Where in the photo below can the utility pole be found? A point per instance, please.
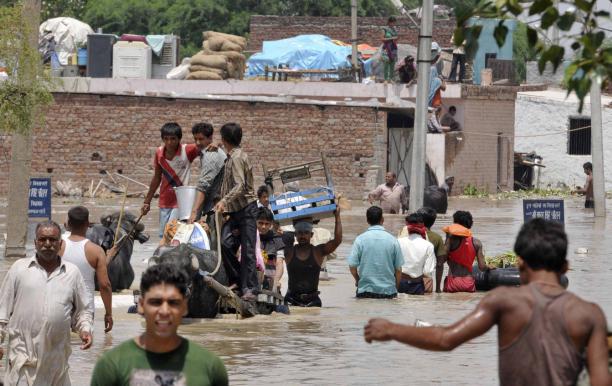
(21, 150)
(354, 60)
(599, 178)
(419, 143)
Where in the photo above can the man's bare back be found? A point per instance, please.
(544, 331)
(514, 306)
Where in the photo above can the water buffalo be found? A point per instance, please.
(120, 270)
(203, 301)
(434, 196)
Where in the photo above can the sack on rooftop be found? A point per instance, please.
(199, 67)
(231, 55)
(231, 46)
(214, 61)
(203, 75)
(233, 38)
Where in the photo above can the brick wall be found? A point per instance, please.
(124, 132)
(474, 158)
(369, 29)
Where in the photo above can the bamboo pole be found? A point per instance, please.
(120, 215)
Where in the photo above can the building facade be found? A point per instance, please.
(550, 124)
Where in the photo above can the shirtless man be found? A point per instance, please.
(304, 262)
(543, 330)
(462, 249)
(90, 259)
(588, 186)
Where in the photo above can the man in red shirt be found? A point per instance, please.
(172, 163)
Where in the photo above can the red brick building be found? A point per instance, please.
(264, 28)
(111, 125)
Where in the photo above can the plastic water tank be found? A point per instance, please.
(131, 60)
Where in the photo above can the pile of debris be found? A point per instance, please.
(221, 58)
(111, 185)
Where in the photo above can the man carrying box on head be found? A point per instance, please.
(304, 262)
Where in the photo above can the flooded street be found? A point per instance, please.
(326, 346)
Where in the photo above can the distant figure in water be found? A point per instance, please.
(544, 331)
(587, 191)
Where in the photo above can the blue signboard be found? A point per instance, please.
(39, 203)
(547, 209)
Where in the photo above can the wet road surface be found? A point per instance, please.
(326, 346)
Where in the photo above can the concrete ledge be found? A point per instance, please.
(324, 93)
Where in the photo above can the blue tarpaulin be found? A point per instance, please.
(304, 52)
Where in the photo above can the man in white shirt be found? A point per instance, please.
(39, 298)
(419, 256)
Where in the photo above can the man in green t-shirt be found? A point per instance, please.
(429, 217)
(160, 356)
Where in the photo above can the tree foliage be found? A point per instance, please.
(522, 51)
(26, 91)
(592, 59)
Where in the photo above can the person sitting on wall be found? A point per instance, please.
(448, 119)
(433, 123)
(304, 262)
(407, 71)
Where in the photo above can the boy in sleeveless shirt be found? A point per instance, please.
(544, 331)
(90, 259)
(304, 262)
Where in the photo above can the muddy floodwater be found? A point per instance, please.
(325, 346)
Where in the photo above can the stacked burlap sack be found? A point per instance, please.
(221, 58)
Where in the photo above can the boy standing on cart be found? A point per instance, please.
(239, 202)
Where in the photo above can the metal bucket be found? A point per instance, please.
(185, 197)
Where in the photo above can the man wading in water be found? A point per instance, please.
(588, 186)
(462, 249)
(304, 264)
(544, 331)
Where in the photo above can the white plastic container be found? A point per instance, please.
(131, 60)
(185, 198)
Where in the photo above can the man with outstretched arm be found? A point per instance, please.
(304, 262)
(544, 331)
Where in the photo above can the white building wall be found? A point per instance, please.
(541, 124)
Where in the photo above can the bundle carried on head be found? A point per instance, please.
(221, 57)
